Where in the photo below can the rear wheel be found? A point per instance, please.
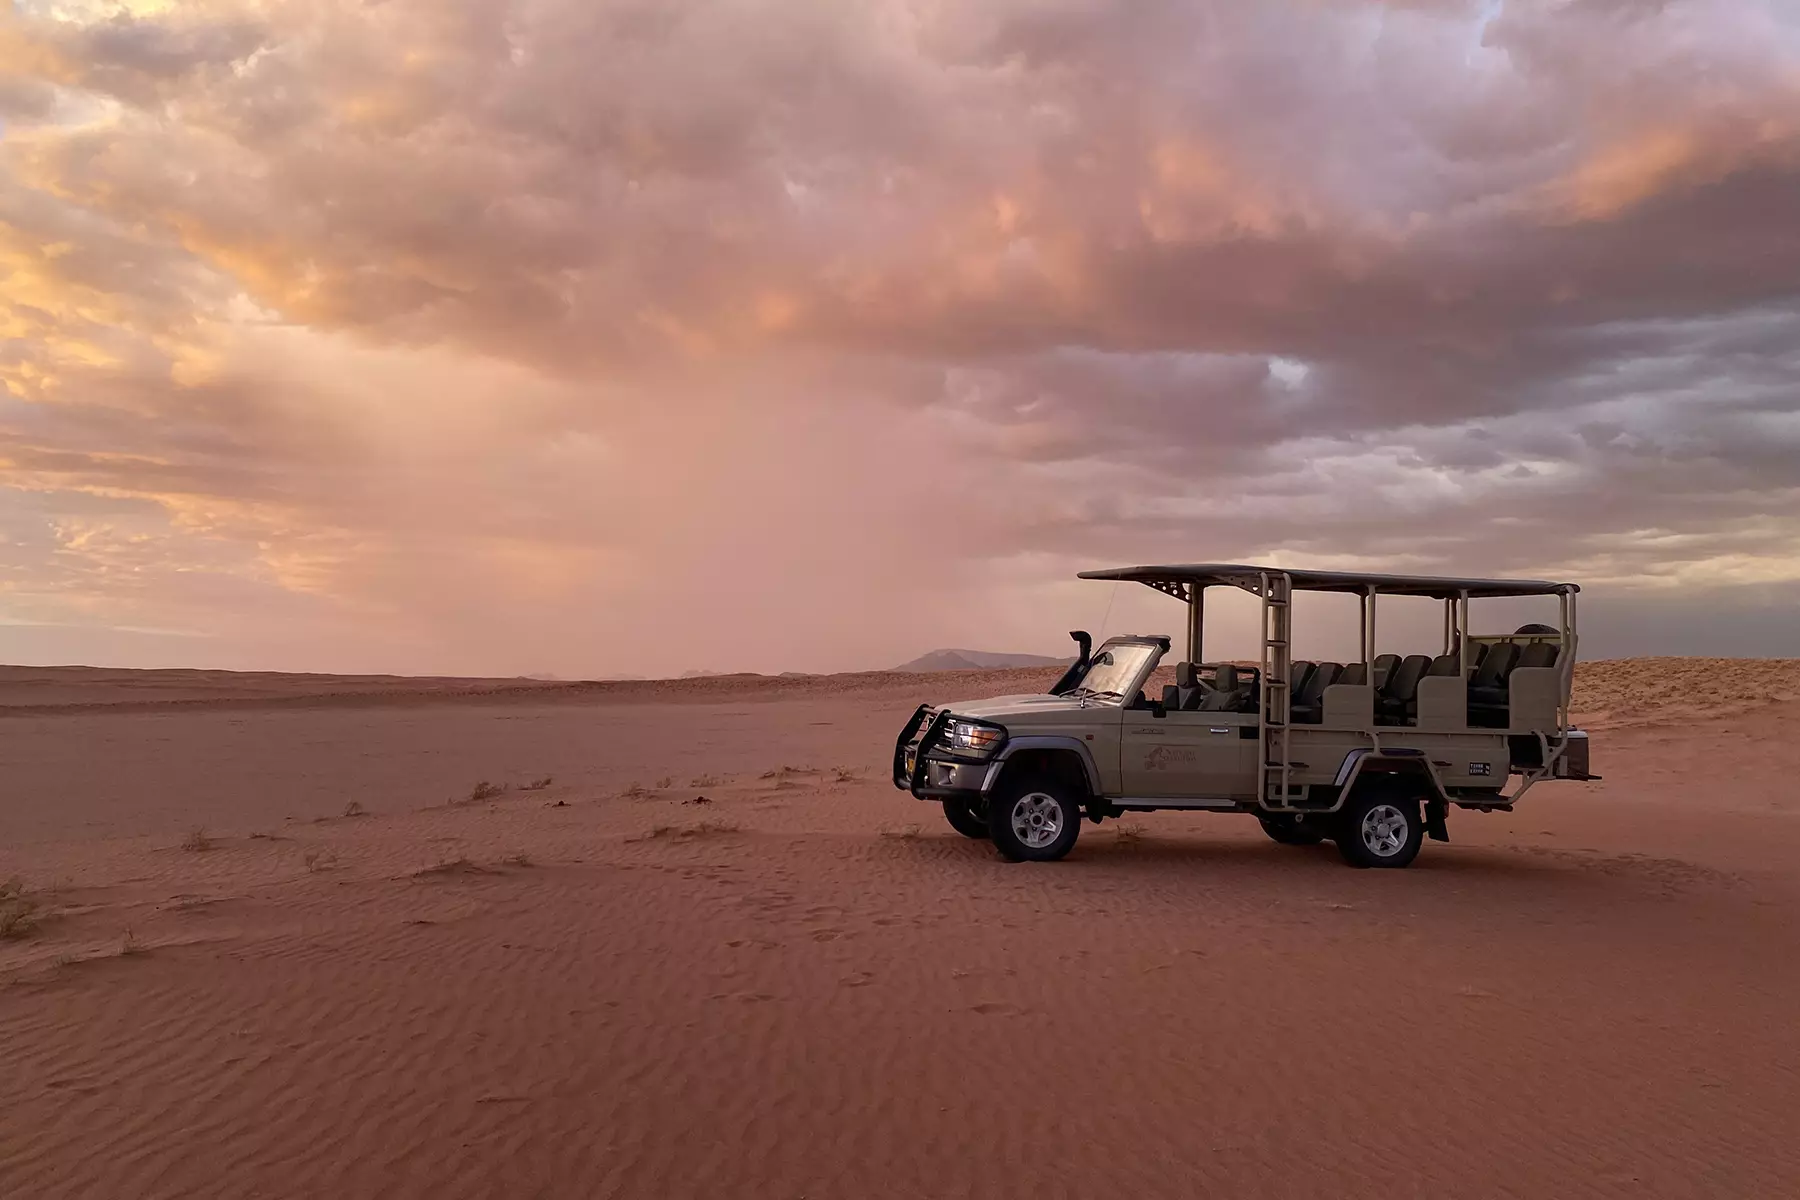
(967, 817)
(1380, 826)
(1034, 819)
(1292, 829)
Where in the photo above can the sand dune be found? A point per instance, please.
(807, 985)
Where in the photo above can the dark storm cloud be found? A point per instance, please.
(1500, 286)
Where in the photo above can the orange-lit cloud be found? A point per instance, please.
(622, 336)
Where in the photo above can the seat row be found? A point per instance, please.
(1396, 682)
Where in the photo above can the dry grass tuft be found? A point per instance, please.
(636, 791)
(452, 866)
(521, 859)
(318, 860)
(847, 775)
(485, 791)
(267, 837)
(665, 783)
(700, 829)
(18, 911)
(130, 946)
(784, 772)
(906, 833)
(704, 781)
(198, 842)
(355, 809)
(538, 785)
(1128, 835)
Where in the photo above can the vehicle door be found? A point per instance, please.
(1188, 755)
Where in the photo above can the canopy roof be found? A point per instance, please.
(1244, 576)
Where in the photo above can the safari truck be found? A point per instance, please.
(1371, 754)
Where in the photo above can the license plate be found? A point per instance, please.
(911, 761)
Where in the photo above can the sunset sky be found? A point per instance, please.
(596, 337)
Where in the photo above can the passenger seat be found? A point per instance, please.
(1488, 694)
(1184, 693)
(1384, 666)
(1400, 696)
(1307, 705)
(1539, 654)
(1226, 693)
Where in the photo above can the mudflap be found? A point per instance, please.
(1436, 827)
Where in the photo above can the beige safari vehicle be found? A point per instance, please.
(1371, 754)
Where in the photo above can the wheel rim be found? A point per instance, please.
(1037, 819)
(1384, 830)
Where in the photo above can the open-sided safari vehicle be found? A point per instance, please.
(1372, 754)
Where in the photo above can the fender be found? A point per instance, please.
(1413, 762)
(1043, 742)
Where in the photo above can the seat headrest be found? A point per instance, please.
(1225, 678)
(1539, 654)
(1184, 674)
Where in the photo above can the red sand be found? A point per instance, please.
(811, 987)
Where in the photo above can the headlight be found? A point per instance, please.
(966, 737)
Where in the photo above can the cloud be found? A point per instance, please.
(799, 336)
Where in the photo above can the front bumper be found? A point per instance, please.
(934, 776)
(951, 779)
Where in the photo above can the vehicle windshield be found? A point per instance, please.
(1112, 670)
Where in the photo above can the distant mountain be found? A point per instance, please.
(698, 674)
(978, 660)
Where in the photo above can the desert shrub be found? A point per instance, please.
(18, 911)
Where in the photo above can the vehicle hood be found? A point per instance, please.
(1039, 704)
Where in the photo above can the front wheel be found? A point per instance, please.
(1380, 826)
(1034, 820)
(967, 817)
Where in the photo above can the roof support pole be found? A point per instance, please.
(1196, 620)
(1462, 620)
(1566, 660)
(1369, 630)
(1449, 627)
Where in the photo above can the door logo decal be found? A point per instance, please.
(1161, 758)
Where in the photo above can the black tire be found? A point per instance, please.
(967, 817)
(1292, 829)
(1025, 809)
(1380, 825)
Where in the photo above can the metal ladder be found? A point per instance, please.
(1274, 772)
